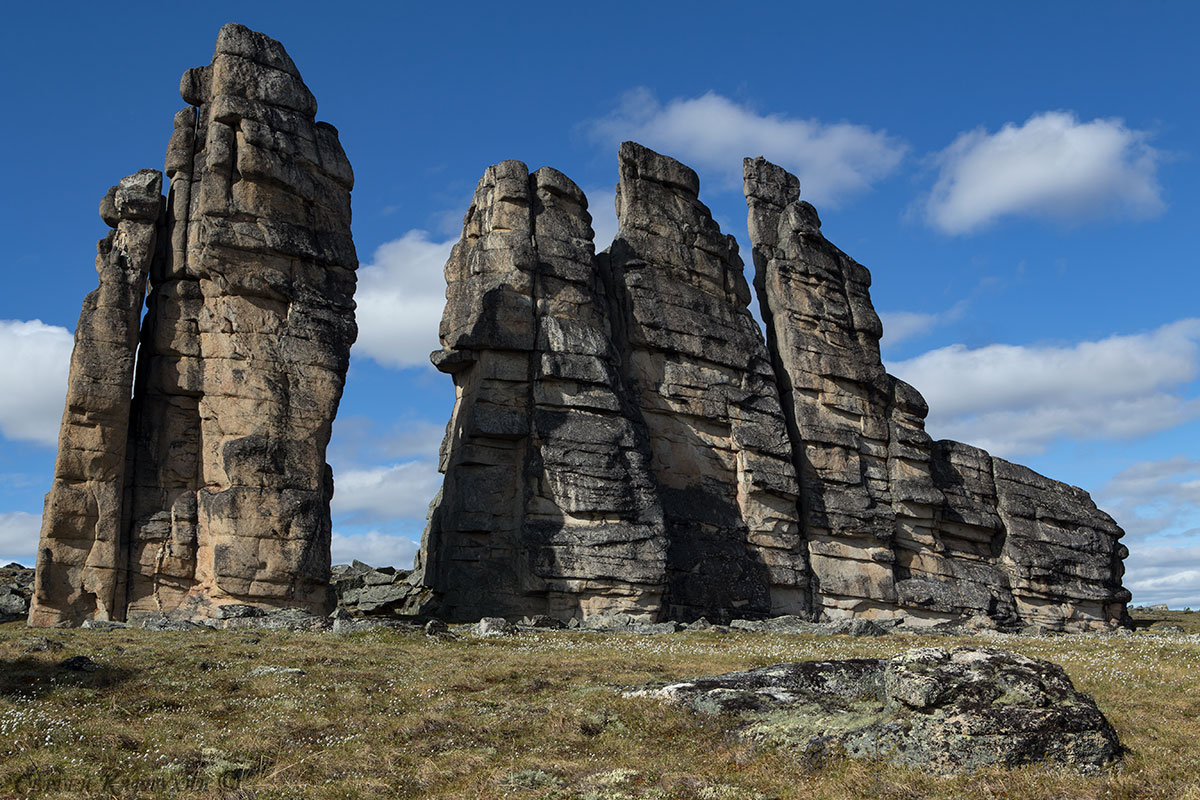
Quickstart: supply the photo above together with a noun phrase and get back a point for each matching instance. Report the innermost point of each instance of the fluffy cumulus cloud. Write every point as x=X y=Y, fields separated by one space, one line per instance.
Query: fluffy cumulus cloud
x=1166 y=571
x=1158 y=504
x=19 y=536
x=33 y=372
x=400 y=298
x=1156 y=497
x=374 y=548
x=713 y=134
x=1017 y=399
x=386 y=492
x=1051 y=167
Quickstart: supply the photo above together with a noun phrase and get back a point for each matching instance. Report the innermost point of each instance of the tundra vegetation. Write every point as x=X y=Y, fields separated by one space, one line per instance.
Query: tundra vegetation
x=243 y=714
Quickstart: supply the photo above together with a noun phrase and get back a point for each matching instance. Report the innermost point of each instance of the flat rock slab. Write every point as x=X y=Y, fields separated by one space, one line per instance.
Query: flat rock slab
x=936 y=709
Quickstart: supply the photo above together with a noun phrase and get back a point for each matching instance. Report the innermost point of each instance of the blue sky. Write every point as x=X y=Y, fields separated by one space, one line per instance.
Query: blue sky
x=1021 y=179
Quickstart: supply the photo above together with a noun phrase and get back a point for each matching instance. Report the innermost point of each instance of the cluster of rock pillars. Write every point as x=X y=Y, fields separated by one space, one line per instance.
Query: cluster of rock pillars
x=624 y=440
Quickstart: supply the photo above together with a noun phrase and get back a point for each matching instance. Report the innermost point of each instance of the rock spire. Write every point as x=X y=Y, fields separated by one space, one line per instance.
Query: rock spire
x=625 y=440
x=209 y=485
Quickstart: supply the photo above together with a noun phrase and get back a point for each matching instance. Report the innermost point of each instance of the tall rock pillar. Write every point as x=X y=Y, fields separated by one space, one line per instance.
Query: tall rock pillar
x=83 y=546
x=896 y=524
x=223 y=492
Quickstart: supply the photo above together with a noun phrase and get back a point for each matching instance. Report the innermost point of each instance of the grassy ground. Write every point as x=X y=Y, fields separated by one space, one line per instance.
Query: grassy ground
x=385 y=714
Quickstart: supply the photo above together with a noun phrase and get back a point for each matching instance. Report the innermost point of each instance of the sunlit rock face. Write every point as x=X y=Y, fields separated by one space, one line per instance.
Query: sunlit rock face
x=896 y=523
x=624 y=439
x=208 y=485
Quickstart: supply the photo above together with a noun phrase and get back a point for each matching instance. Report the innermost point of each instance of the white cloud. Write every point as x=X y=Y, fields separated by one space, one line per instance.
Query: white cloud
x=713 y=133
x=393 y=491
x=1155 y=497
x=899 y=326
x=602 y=207
x=1164 y=572
x=374 y=548
x=19 y=533
x=1051 y=167
x=33 y=372
x=1016 y=399
x=400 y=297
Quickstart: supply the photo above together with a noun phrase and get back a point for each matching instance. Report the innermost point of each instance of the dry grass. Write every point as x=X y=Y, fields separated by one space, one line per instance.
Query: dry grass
x=394 y=715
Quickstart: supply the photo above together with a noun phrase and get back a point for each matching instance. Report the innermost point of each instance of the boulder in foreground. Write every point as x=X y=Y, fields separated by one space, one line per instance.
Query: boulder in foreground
x=931 y=708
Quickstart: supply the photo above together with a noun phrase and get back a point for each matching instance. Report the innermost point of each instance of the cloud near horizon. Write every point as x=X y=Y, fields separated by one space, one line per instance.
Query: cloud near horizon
x=19 y=531
x=1012 y=400
x=33 y=372
x=374 y=548
x=713 y=134
x=386 y=492
x=1051 y=167
x=400 y=297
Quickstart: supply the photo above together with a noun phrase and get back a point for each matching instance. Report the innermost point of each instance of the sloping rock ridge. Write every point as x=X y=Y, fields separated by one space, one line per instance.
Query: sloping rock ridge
x=200 y=478
x=625 y=440
x=935 y=709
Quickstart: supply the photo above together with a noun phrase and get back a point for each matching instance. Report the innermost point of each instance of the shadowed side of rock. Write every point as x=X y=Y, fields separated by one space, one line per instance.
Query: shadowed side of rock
x=602 y=457
x=548 y=506
x=702 y=382
x=210 y=485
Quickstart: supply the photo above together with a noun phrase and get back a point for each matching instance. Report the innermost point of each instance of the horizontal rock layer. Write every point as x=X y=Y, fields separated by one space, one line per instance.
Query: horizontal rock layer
x=210 y=485
x=624 y=440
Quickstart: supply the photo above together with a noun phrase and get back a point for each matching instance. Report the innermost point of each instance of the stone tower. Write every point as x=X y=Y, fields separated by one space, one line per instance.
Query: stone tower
x=201 y=479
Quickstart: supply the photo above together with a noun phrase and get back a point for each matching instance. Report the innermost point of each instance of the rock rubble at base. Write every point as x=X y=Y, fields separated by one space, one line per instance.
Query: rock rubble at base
x=16 y=587
x=931 y=708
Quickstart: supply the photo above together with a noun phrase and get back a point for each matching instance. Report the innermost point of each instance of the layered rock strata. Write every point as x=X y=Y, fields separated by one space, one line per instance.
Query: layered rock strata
x=210 y=486
x=895 y=522
x=612 y=449
x=624 y=440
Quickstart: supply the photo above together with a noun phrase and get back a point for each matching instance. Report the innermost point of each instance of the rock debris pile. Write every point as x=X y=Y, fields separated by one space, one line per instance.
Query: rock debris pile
x=199 y=478
x=626 y=441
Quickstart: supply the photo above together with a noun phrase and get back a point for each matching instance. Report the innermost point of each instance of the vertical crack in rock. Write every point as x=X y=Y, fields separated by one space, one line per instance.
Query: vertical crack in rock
x=83 y=545
x=548 y=505
x=703 y=383
x=625 y=441
x=899 y=525
x=223 y=491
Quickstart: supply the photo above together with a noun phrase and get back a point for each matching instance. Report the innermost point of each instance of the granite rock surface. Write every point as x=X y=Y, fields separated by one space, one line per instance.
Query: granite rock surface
x=625 y=441
x=201 y=480
x=935 y=709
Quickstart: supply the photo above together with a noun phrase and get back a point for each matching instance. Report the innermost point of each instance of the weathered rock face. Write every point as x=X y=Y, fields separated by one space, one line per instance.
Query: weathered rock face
x=616 y=445
x=211 y=485
x=82 y=554
x=549 y=505
x=897 y=523
x=16 y=587
x=939 y=710
x=625 y=442
x=701 y=380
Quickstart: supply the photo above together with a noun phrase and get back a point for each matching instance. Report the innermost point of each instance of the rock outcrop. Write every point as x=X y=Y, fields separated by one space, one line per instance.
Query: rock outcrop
x=616 y=444
x=934 y=709
x=894 y=520
x=624 y=440
x=209 y=485
x=16 y=587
